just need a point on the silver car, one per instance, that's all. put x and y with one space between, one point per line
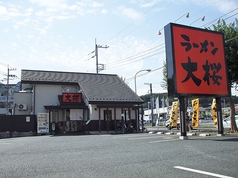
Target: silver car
227 122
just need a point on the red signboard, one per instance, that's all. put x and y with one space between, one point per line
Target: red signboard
72 97
197 61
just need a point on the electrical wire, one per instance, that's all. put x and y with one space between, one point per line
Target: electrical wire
154 49
133 22
133 58
143 23
215 20
140 24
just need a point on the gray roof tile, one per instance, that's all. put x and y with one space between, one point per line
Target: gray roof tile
95 87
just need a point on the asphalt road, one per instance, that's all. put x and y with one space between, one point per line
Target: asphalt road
139 155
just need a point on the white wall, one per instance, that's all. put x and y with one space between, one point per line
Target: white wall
22 98
46 95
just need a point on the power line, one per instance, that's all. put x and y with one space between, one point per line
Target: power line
148 51
133 22
215 20
136 60
143 22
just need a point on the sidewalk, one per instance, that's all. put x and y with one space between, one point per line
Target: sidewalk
197 131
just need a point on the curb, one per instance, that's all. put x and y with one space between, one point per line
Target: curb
204 134
160 132
169 133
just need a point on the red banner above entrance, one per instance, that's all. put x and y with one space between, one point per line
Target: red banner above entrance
72 97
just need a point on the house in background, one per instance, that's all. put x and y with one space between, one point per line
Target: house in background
7 97
75 102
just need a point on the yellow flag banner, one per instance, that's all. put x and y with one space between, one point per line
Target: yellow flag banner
214 112
174 114
195 116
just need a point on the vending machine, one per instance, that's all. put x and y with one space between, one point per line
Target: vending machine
43 123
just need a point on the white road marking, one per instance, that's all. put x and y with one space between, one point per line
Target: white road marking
133 136
202 172
4 143
141 138
168 140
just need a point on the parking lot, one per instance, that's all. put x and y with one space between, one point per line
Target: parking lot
119 155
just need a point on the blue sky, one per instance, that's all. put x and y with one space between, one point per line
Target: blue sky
60 35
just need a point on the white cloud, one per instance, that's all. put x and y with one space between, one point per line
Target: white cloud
222 6
13 44
96 4
87 3
3 10
228 6
5 30
129 12
149 4
73 7
18 36
48 3
104 11
43 30
20 23
29 12
11 11
30 36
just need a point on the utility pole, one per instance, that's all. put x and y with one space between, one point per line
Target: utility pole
96 54
7 90
8 75
151 103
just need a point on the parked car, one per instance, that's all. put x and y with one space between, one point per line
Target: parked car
178 125
227 122
170 127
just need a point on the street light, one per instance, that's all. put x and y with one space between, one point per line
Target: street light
202 19
148 70
187 16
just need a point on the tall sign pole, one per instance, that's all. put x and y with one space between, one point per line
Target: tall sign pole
197 66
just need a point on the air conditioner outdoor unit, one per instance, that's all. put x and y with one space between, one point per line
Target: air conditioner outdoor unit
22 107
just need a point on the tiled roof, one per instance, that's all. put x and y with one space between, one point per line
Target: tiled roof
95 87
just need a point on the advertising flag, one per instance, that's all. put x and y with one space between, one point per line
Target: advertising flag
157 105
174 114
167 102
214 112
195 116
162 102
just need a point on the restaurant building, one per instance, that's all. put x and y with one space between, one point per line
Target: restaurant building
66 102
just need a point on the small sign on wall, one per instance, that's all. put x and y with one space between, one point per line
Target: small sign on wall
28 119
72 97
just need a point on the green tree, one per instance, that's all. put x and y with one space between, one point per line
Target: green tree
163 83
230 32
